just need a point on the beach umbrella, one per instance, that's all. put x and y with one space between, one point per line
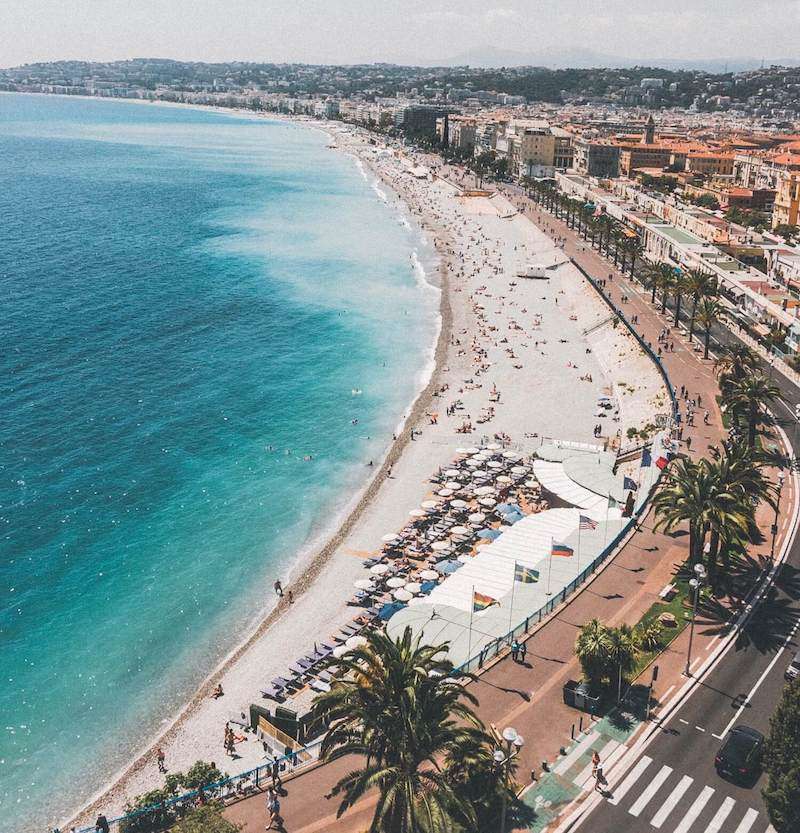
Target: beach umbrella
479 474
484 490
340 650
445 492
473 463
440 545
396 581
417 513
477 518
429 575
389 610
513 517
356 641
403 595
510 455
503 479
458 504
447 566
413 587
494 464
453 484
490 534
389 539
452 473
488 502
364 584
417 600
494 447
459 530
471 450
532 484
519 470
429 504
379 569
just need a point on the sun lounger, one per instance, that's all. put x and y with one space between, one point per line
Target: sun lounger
281 682
272 693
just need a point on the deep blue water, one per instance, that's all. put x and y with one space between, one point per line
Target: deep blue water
180 291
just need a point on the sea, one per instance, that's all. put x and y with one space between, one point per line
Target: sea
210 323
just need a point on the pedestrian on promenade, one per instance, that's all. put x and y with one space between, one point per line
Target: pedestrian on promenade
275 773
522 651
273 809
595 763
101 825
278 587
514 650
688 443
160 758
599 779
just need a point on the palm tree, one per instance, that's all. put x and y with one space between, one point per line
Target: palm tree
623 647
684 497
666 282
699 284
592 650
680 286
399 711
652 273
708 312
635 248
747 397
737 362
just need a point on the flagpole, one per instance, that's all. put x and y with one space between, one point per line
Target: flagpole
513 585
471 610
549 567
605 528
579 544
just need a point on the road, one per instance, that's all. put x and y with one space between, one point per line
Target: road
673 787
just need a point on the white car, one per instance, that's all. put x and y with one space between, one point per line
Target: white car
793 669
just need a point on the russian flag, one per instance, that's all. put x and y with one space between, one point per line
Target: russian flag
562 551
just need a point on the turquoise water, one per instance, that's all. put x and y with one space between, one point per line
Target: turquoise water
189 300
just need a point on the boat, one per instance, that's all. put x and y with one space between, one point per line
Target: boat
536 271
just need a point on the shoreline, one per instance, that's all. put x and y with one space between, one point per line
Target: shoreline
306 567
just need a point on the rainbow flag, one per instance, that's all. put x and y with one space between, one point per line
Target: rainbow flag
480 601
562 550
525 574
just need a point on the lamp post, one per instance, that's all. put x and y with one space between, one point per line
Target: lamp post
781 478
695 583
503 757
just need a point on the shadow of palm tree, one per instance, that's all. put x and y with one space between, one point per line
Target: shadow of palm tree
521 815
767 627
788 581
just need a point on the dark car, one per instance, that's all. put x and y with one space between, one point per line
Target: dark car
740 756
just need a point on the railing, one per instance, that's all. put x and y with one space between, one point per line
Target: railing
494 648
233 788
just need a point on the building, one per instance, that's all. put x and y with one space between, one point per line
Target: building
419 118
596 157
529 145
562 153
786 210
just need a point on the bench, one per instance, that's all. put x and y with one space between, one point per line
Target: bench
668 593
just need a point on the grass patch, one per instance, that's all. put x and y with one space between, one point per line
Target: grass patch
682 615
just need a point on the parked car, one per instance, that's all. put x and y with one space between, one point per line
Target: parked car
740 755
793 669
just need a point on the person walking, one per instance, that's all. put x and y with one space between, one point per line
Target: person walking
273 810
522 650
595 763
514 650
101 825
275 773
160 758
278 587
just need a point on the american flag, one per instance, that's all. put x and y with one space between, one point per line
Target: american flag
587 523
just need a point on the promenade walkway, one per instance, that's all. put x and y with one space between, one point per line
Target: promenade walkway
529 696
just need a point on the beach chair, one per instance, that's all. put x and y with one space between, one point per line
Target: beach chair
272 693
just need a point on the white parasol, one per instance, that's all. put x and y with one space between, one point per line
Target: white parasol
379 569
396 581
403 595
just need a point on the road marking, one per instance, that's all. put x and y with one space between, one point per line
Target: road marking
760 680
699 728
685 722
566 762
747 822
694 811
605 759
652 788
672 799
630 780
720 816
664 696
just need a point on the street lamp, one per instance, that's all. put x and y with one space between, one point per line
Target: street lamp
781 478
503 758
695 583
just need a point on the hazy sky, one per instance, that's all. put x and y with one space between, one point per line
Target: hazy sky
349 31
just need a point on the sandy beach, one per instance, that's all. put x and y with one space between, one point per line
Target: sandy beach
516 358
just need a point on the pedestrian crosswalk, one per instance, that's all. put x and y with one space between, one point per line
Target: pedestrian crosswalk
671 802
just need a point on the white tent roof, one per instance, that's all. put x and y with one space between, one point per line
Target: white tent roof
553 478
